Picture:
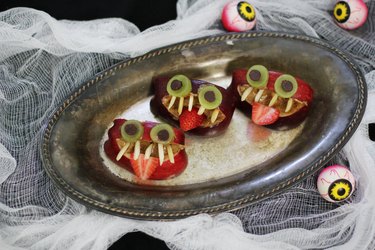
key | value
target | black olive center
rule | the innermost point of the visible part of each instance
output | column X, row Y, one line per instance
column 210, row 96
column 254, row 75
column 163, row 135
column 338, row 12
column 176, row 85
column 287, row 86
column 131, row 129
column 341, row 191
column 248, row 9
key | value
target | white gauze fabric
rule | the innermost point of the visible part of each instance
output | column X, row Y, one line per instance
column 42, row 60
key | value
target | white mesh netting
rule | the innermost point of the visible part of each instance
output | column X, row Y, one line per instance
column 42, row 60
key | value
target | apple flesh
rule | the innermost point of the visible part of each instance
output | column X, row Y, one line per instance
column 304, row 95
column 227, row 106
column 165, row 171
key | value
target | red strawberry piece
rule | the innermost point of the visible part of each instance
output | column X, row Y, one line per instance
column 190, row 119
column 264, row 115
column 144, row 168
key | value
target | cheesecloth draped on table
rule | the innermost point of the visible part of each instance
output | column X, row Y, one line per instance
column 42, row 60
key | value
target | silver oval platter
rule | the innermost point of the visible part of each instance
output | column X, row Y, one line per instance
column 225, row 172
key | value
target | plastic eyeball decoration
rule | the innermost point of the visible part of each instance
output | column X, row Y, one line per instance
column 238, row 16
column 336, row 183
column 350, row 14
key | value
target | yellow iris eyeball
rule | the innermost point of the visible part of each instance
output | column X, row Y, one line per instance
column 350, row 14
column 341, row 12
column 246, row 11
column 340, row 190
column 238, row 16
column 336, row 183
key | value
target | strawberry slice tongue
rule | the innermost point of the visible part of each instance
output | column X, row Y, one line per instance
column 190, row 119
column 264, row 115
column 144, row 168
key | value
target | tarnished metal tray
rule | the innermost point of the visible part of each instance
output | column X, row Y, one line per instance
column 72, row 139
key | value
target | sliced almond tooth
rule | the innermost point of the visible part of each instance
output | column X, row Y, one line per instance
column 246, row 93
column 273, row 100
column 180, row 105
column 161, row 153
column 173, row 99
column 300, row 102
column 122, row 151
column 259, row 95
column 148, row 151
column 289, row 105
column 214, row 115
column 137, row 150
column 170, row 153
column 191, row 100
column 201, row 110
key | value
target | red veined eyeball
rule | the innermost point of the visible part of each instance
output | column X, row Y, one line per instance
column 336, row 183
column 350, row 14
column 238, row 16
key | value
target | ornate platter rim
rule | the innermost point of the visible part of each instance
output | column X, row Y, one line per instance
column 232, row 205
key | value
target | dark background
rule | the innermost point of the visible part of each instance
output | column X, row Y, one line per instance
column 144, row 14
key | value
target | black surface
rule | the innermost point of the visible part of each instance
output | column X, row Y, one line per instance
column 371, row 131
column 143, row 14
column 138, row 241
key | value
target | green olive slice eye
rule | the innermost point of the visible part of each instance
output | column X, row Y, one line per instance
column 257, row 76
column 209, row 97
column 162, row 133
column 286, row 86
column 179, row 86
column 131, row 130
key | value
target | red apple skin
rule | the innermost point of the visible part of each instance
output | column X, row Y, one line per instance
column 227, row 106
column 304, row 93
column 165, row 171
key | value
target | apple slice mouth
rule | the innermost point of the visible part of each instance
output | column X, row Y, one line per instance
column 149, row 149
column 175, row 106
column 286, row 106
